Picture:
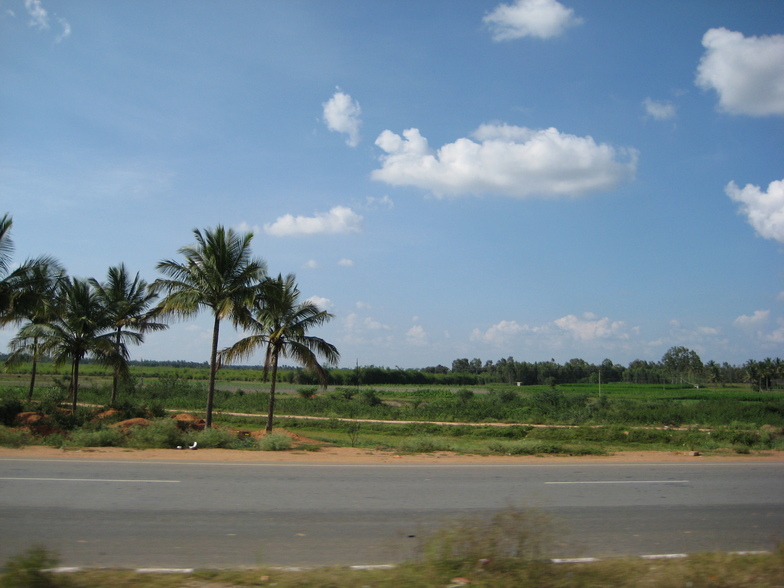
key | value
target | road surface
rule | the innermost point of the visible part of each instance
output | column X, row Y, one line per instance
column 217, row 515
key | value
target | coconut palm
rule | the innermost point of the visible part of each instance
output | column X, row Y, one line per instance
column 218, row 274
column 280, row 322
column 128, row 303
column 20, row 282
column 36, row 306
column 81, row 327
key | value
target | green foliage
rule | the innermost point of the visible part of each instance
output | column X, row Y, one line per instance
column 424, row 445
column 275, row 442
column 514, row 538
column 14, row 437
column 100, row 437
column 214, row 438
column 160, row 433
column 9, row 408
column 525, row 447
column 29, row 570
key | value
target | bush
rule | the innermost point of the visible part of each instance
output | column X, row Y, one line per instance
column 214, row 438
column 9, row 408
column 101, row 437
column 28, row 570
column 424, row 445
column 14, row 437
column 159, row 434
column 525, row 447
column 275, row 442
column 513, row 538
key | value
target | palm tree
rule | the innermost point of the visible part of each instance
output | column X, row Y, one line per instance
column 219, row 274
column 127, row 302
column 18, row 283
column 81, row 327
column 37, row 306
column 280, row 323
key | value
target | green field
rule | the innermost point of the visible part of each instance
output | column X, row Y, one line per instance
column 569, row 419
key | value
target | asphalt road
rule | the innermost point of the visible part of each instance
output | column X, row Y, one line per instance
column 213, row 515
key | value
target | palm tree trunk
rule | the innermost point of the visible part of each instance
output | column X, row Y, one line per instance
column 75, row 380
column 213, row 371
column 33, row 369
column 271, row 411
column 116, row 370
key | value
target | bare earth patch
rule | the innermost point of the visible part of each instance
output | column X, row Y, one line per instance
column 352, row 455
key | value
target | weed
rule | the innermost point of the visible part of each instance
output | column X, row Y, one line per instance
column 275, row 442
column 101, row 437
column 29, row 570
column 424, row 445
column 14, row 437
column 160, row 433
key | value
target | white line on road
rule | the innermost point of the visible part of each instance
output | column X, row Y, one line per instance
column 625, row 482
column 92, row 480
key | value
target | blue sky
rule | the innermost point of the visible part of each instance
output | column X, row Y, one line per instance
column 535, row 179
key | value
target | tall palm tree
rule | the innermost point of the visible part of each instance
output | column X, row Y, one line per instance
column 19, row 282
column 128, row 303
column 81, row 327
column 280, row 322
column 219, row 274
column 37, row 306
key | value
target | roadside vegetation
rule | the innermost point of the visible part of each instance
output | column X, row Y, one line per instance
column 489, row 420
column 505, row 549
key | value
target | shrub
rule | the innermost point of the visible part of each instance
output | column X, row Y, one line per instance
column 308, row 392
column 424, row 445
column 29, row 570
column 525, row 447
column 275, row 442
column 9, row 408
column 160, row 433
column 512, row 538
column 101, row 437
column 14, row 437
column 214, row 438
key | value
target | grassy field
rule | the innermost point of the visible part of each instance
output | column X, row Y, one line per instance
column 573, row 419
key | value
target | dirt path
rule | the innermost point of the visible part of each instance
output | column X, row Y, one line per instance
column 348, row 455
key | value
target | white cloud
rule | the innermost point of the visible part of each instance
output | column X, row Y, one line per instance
column 346, row 262
column 530, row 18
column 507, row 160
column 310, row 264
column 747, row 72
column 321, row 302
column 383, row 201
column 244, row 227
column 499, row 334
column 416, row 335
column 659, row 109
column 590, row 327
column 755, row 321
column 341, row 114
column 339, row 219
column 39, row 17
column 764, row 210
column 66, row 32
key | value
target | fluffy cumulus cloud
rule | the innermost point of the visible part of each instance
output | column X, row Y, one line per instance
column 530, row 18
column 755, row 321
column 499, row 334
column 417, row 336
column 589, row 327
column 659, row 109
column 747, row 72
column 339, row 219
column 764, row 210
column 341, row 114
column 321, row 302
column 504, row 160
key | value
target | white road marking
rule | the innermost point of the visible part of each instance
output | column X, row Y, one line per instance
column 91, row 480
column 624, row 482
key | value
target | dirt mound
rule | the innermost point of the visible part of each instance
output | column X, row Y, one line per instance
column 187, row 421
column 128, row 423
